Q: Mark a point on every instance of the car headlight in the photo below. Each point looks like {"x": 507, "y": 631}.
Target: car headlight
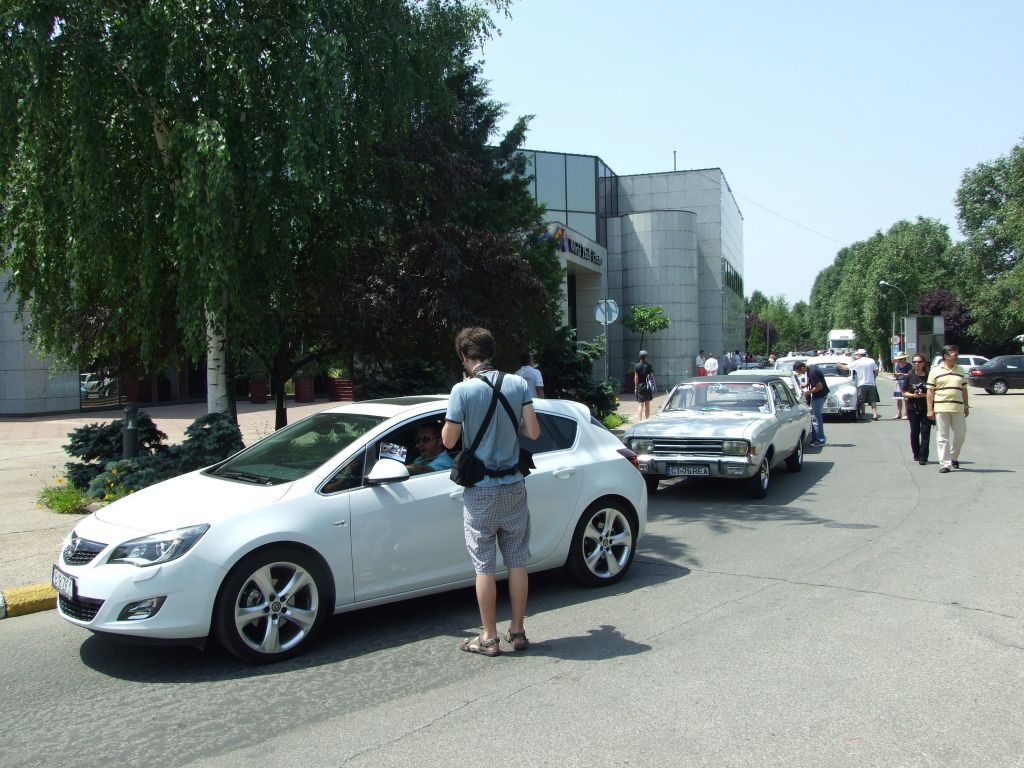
{"x": 641, "y": 445}
{"x": 735, "y": 447}
{"x": 158, "y": 548}
{"x": 849, "y": 398}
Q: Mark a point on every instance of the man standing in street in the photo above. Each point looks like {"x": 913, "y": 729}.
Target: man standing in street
{"x": 867, "y": 378}
{"x": 532, "y": 376}
{"x": 711, "y": 365}
{"x": 948, "y": 406}
{"x": 817, "y": 388}
{"x": 494, "y": 510}
{"x": 701, "y": 370}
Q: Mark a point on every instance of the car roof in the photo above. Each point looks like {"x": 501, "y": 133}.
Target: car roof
{"x": 733, "y": 378}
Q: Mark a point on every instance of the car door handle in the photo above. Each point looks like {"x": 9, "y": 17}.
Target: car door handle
{"x": 340, "y": 523}
{"x": 457, "y": 495}
{"x": 563, "y": 473}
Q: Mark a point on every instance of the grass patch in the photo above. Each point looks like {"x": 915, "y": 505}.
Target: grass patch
{"x": 64, "y": 498}
{"x": 613, "y": 420}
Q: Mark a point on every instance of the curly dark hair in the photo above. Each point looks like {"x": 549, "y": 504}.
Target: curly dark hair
{"x": 475, "y": 343}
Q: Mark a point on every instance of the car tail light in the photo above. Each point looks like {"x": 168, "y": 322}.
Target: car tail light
{"x": 975, "y": 372}
{"x": 630, "y": 457}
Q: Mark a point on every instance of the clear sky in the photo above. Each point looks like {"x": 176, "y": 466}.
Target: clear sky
{"x": 831, "y": 121}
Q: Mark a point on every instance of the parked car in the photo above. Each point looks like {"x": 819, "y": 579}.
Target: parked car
{"x": 842, "y": 387}
{"x": 323, "y": 517}
{"x": 789, "y": 377}
{"x": 842, "y": 384}
{"x": 964, "y": 361}
{"x": 999, "y": 375}
{"x": 736, "y": 426}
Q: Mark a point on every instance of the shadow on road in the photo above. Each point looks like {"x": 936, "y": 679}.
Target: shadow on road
{"x": 436, "y": 619}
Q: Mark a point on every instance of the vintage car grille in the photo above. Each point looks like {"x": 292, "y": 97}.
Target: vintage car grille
{"x": 81, "y": 551}
{"x": 81, "y": 608}
{"x": 674, "y": 446}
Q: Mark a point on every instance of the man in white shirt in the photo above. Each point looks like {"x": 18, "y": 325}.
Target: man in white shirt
{"x": 701, "y": 370}
{"x": 711, "y": 365}
{"x": 532, "y": 375}
{"x": 867, "y": 372}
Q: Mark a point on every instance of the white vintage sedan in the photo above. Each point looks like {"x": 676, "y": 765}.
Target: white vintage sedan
{"x": 324, "y": 517}
{"x": 735, "y": 426}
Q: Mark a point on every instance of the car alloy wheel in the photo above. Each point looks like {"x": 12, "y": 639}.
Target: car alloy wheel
{"x": 795, "y": 461}
{"x": 999, "y": 387}
{"x": 603, "y": 544}
{"x": 272, "y": 604}
{"x": 759, "y": 482}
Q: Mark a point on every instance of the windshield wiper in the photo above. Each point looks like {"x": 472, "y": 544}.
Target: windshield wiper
{"x": 248, "y": 477}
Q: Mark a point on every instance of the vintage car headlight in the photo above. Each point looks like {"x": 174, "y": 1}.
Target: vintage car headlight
{"x": 849, "y": 398}
{"x": 735, "y": 447}
{"x": 641, "y": 445}
{"x": 158, "y": 548}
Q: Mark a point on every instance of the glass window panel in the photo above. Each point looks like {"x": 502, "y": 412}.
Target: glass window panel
{"x": 550, "y": 170}
{"x": 584, "y": 223}
{"x": 581, "y": 190}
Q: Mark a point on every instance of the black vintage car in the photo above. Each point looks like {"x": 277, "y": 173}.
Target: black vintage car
{"x": 999, "y": 374}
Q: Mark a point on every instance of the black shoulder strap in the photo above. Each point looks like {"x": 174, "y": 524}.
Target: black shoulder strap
{"x": 505, "y": 404}
{"x": 490, "y": 411}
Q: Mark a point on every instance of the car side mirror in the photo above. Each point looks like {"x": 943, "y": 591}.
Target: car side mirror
{"x": 387, "y": 471}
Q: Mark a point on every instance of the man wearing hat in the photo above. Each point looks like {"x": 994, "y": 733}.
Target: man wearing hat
{"x": 867, "y": 371}
{"x": 643, "y": 385}
{"x": 900, "y": 370}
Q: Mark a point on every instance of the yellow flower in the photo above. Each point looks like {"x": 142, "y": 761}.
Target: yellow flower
{"x": 60, "y": 480}
{"x": 114, "y": 472}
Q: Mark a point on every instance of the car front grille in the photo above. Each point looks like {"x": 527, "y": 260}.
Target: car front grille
{"x": 81, "y": 608}
{"x": 81, "y": 551}
{"x": 674, "y": 446}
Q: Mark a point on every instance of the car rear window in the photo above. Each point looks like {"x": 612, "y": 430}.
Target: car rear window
{"x": 557, "y": 433}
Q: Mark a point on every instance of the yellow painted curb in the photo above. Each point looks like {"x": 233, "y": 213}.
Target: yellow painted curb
{"x": 30, "y": 599}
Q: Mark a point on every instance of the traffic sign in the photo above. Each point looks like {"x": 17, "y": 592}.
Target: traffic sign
{"x": 607, "y": 312}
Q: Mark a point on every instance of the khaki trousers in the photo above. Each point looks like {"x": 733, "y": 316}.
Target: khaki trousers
{"x": 950, "y": 431}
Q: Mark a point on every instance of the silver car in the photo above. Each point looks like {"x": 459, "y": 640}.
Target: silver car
{"x": 737, "y": 426}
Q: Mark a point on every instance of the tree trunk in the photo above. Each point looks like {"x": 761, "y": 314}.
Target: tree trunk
{"x": 217, "y": 397}
{"x": 280, "y": 412}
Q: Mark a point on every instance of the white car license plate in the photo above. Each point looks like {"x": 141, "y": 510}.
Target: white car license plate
{"x": 830, "y": 410}
{"x": 63, "y": 583}
{"x": 688, "y": 471}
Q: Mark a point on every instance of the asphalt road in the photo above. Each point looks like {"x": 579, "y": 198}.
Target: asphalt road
{"x": 869, "y": 612}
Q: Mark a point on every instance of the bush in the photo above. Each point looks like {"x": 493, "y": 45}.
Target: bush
{"x": 119, "y": 478}
{"x": 64, "y": 498}
{"x": 107, "y": 476}
{"x": 209, "y": 439}
{"x": 613, "y": 420}
{"x": 568, "y": 367}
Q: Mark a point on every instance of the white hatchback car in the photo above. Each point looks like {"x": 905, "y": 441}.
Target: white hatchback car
{"x": 324, "y": 517}
{"x": 964, "y": 361}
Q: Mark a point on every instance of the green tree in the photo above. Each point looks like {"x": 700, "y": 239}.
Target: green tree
{"x": 221, "y": 177}
{"x": 990, "y": 211}
{"x": 646, "y": 318}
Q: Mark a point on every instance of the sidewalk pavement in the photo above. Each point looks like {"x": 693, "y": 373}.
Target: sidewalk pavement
{"x": 32, "y": 456}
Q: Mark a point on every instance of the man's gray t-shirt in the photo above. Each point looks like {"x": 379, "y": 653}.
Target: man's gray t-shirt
{"x": 499, "y": 447}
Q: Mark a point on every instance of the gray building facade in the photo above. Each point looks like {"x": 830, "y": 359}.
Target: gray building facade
{"x": 673, "y": 239}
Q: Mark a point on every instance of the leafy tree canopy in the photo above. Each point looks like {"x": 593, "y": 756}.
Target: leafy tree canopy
{"x": 646, "y": 318}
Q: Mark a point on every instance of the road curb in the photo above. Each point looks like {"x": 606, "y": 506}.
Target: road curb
{"x": 32, "y": 598}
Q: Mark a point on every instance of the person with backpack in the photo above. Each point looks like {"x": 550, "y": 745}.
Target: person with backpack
{"x": 495, "y": 513}
{"x": 643, "y": 386}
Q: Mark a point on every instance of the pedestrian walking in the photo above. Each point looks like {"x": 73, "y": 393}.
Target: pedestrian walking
{"x": 495, "y": 513}
{"x": 867, "y": 373}
{"x": 643, "y": 386}
{"x": 900, "y": 369}
{"x": 915, "y": 392}
{"x": 948, "y": 405}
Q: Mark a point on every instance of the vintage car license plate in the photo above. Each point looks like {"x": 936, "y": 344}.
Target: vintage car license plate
{"x": 688, "y": 471}
{"x": 830, "y": 410}
{"x": 63, "y": 583}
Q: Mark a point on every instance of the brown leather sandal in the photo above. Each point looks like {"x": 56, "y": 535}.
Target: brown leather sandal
{"x": 477, "y": 644}
{"x": 517, "y": 640}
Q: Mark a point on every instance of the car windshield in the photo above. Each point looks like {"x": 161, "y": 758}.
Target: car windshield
{"x": 746, "y": 397}
{"x": 296, "y": 450}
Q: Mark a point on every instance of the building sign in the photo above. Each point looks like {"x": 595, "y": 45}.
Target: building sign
{"x": 567, "y": 245}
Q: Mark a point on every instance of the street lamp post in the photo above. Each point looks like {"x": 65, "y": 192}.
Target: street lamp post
{"x": 906, "y": 306}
